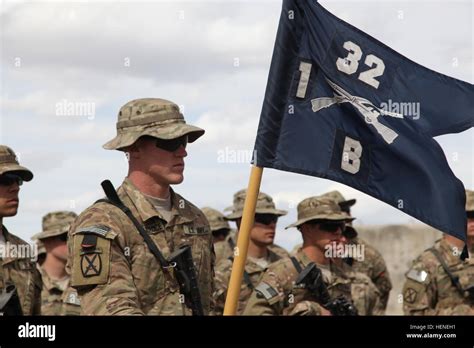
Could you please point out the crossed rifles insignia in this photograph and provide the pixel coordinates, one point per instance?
(369, 111)
(91, 265)
(410, 295)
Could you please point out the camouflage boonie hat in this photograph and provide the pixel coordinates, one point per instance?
(155, 117)
(216, 219)
(319, 208)
(55, 224)
(336, 196)
(469, 200)
(265, 205)
(9, 163)
(339, 199)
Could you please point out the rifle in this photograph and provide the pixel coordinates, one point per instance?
(182, 260)
(312, 279)
(10, 302)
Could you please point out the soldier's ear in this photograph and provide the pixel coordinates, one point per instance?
(133, 151)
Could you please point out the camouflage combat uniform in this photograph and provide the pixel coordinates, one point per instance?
(112, 268)
(57, 296)
(265, 205)
(15, 270)
(254, 272)
(279, 281)
(277, 293)
(22, 273)
(373, 264)
(430, 289)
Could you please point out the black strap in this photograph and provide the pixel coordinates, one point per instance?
(296, 264)
(231, 243)
(114, 199)
(247, 279)
(454, 279)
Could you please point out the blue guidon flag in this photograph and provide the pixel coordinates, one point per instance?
(343, 106)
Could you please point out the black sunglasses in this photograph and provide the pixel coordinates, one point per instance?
(171, 145)
(10, 179)
(470, 214)
(266, 219)
(332, 227)
(63, 237)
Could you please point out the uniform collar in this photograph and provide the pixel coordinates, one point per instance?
(49, 283)
(305, 261)
(252, 267)
(451, 252)
(179, 210)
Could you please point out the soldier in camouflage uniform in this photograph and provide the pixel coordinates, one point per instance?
(220, 227)
(439, 282)
(372, 264)
(18, 270)
(321, 223)
(57, 297)
(225, 249)
(259, 253)
(112, 267)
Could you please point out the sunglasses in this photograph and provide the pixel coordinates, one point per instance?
(171, 145)
(266, 219)
(332, 227)
(10, 179)
(63, 237)
(329, 226)
(470, 214)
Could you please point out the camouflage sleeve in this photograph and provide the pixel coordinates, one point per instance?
(381, 278)
(365, 295)
(266, 299)
(37, 293)
(221, 280)
(212, 300)
(100, 270)
(419, 292)
(306, 308)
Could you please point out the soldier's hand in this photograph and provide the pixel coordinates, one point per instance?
(325, 312)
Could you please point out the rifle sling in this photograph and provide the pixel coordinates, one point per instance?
(296, 264)
(113, 198)
(246, 276)
(454, 279)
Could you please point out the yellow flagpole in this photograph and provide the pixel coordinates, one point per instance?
(240, 256)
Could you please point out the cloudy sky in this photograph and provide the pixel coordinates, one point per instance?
(210, 57)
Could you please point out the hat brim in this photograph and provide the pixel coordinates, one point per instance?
(166, 132)
(333, 217)
(348, 203)
(21, 171)
(238, 215)
(49, 234)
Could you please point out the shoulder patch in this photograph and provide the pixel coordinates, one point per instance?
(266, 290)
(100, 230)
(419, 276)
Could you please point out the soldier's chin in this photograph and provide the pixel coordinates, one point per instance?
(176, 178)
(11, 211)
